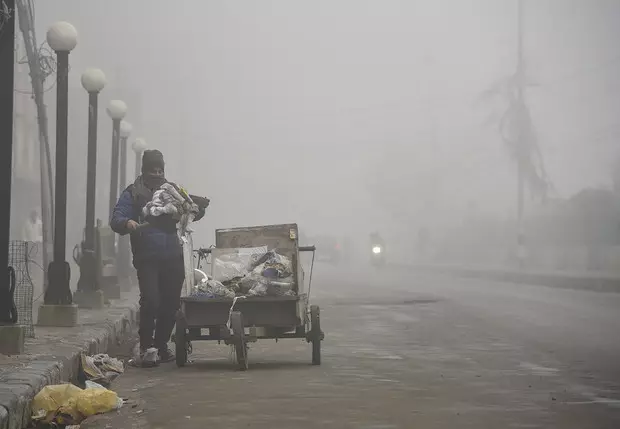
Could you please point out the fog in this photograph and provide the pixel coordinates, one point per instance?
(344, 116)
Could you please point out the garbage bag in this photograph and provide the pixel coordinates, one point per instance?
(57, 400)
(97, 401)
(229, 264)
(68, 404)
(213, 289)
(273, 263)
(263, 286)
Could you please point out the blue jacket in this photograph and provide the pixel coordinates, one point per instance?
(155, 243)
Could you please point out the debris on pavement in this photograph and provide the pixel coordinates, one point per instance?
(101, 368)
(67, 404)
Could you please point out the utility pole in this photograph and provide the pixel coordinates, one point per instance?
(37, 78)
(521, 143)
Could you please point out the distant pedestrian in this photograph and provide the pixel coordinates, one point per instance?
(33, 228)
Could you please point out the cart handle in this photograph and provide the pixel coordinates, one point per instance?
(307, 248)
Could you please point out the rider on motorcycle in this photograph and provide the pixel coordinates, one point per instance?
(376, 240)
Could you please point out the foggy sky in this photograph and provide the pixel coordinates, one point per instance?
(288, 110)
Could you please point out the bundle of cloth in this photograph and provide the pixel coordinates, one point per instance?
(170, 199)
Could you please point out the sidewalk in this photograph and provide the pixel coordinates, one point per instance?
(590, 280)
(53, 356)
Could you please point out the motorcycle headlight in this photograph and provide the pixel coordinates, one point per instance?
(376, 250)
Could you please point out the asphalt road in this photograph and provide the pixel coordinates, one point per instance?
(404, 351)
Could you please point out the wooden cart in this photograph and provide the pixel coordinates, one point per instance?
(243, 320)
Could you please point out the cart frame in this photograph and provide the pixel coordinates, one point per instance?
(242, 320)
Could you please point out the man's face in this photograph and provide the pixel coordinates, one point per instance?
(156, 172)
(155, 177)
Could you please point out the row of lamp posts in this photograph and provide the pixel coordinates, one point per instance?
(59, 308)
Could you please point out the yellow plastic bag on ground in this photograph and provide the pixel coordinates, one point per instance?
(68, 404)
(96, 401)
(55, 400)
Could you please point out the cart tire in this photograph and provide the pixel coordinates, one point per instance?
(180, 345)
(315, 333)
(241, 348)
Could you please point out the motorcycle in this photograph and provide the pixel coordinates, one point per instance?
(377, 258)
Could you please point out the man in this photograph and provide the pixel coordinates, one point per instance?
(33, 228)
(157, 256)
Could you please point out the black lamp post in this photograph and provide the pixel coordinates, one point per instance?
(62, 38)
(126, 130)
(117, 111)
(123, 261)
(89, 294)
(8, 314)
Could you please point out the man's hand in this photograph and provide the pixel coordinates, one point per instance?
(132, 225)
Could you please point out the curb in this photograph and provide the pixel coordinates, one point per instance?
(18, 388)
(592, 282)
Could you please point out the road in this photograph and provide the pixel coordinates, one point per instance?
(404, 350)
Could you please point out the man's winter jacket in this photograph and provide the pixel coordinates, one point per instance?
(159, 241)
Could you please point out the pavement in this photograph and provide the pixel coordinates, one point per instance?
(53, 356)
(403, 350)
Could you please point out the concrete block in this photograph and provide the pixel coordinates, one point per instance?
(64, 316)
(10, 402)
(4, 417)
(112, 290)
(16, 398)
(12, 339)
(91, 299)
(110, 282)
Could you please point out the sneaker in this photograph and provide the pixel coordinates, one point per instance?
(146, 359)
(166, 355)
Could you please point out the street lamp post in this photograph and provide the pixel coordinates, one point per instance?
(89, 294)
(138, 146)
(123, 260)
(126, 130)
(117, 111)
(62, 38)
(11, 332)
(8, 312)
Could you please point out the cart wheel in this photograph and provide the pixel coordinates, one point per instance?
(180, 345)
(241, 348)
(315, 334)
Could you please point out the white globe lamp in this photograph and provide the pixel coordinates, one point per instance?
(93, 80)
(62, 37)
(139, 145)
(117, 109)
(126, 129)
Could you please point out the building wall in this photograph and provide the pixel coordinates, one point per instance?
(25, 195)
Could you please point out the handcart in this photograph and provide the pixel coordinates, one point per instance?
(244, 319)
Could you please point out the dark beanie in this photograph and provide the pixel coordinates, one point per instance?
(152, 159)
